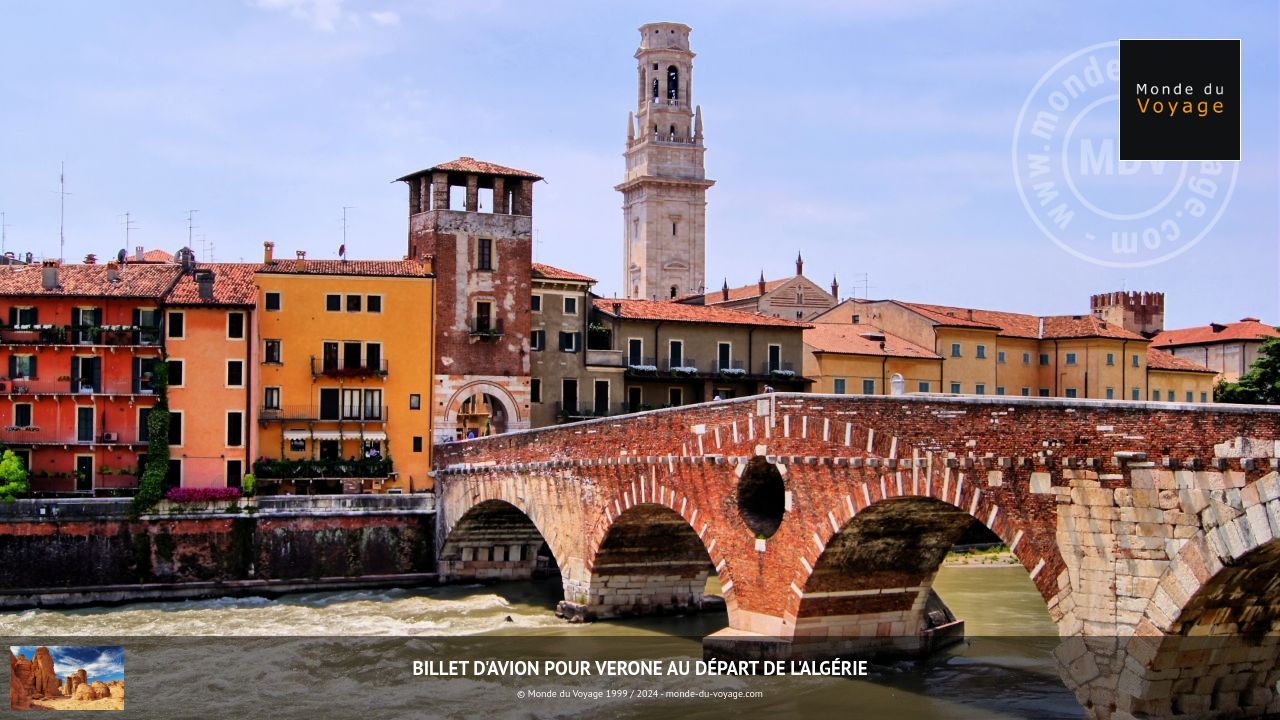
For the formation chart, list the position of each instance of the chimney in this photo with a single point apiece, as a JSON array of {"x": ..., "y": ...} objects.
[
  {"x": 799, "y": 264},
  {"x": 137, "y": 253},
  {"x": 204, "y": 283},
  {"x": 113, "y": 271},
  {"x": 969, "y": 313},
  {"x": 617, "y": 309},
  {"x": 90, "y": 259},
  {"x": 268, "y": 250},
  {"x": 724, "y": 291},
  {"x": 761, "y": 284},
  {"x": 835, "y": 289},
  {"x": 300, "y": 263},
  {"x": 49, "y": 275}
]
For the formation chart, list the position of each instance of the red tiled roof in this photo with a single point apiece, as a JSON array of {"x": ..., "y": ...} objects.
[
  {"x": 471, "y": 165},
  {"x": 135, "y": 280},
  {"x": 1081, "y": 326},
  {"x": 233, "y": 284},
  {"x": 549, "y": 272},
  {"x": 678, "y": 312},
  {"x": 1246, "y": 329},
  {"x": 1161, "y": 360},
  {"x": 155, "y": 256},
  {"x": 1021, "y": 325},
  {"x": 744, "y": 292},
  {"x": 382, "y": 268},
  {"x": 862, "y": 340},
  {"x": 950, "y": 316}
]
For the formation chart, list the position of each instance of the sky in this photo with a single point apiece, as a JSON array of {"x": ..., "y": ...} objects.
[
  {"x": 873, "y": 137},
  {"x": 101, "y": 663}
]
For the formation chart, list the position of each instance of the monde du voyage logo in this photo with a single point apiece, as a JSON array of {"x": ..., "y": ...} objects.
[{"x": 1123, "y": 152}]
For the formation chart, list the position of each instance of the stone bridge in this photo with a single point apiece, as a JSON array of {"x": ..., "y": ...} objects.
[{"x": 1149, "y": 529}]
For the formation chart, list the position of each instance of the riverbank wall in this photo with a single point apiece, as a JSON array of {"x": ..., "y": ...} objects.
[{"x": 82, "y": 552}]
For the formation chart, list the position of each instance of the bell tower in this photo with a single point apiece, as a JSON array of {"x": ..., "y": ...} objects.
[{"x": 665, "y": 187}]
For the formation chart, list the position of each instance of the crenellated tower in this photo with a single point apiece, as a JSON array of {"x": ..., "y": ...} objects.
[{"x": 665, "y": 186}]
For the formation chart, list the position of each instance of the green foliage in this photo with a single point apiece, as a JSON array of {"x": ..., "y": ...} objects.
[
  {"x": 13, "y": 477},
  {"x": 247, "y": 484},
  {"x": 151, "y": 484},
  {"x": 1259, "y": 386}
]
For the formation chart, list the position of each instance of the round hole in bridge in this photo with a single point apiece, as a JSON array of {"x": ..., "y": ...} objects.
[{"x": 761, "y": 497}]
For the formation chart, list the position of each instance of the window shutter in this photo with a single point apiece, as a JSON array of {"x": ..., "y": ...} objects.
[
  {"x": 35, "y": 316},
  {"x": 75, "y": 317},
  {"x": 13, "y": 316},
  {"x": 13, "y": 366},
  {"x": 577, "y": 341},
  {"x": 564, "y": 341},
  {"x": 33, "y": 367}
]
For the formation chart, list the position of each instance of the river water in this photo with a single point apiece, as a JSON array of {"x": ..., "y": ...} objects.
[{"x": 1003, "y": 671}]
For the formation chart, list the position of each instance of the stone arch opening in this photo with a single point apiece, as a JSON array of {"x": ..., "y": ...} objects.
[
  {"x": 762, "y": 497},
  {"x": 673, "y": 82},
  {"x": 479, "y": 410},
  {"x": 649, "y": 562},
  {"x": 872, "y": 587},
  {"x": 495, "y": 540}
]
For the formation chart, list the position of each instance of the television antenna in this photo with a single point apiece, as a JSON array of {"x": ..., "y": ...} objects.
[
  {"x": 862, "y": 280},
  {"x": 4, "y": 226},
  {"x": 191, "y": 224},
  {"x": 62, "y": 210},
  {"x": 129, "y": 226}
]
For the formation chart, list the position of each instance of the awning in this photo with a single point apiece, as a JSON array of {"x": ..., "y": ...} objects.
[{"x": 333, "y": 435}]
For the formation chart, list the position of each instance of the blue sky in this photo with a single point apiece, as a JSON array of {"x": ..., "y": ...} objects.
[
  {"x": 100, "y": 662},
  {"x": 874, "y": 137}
]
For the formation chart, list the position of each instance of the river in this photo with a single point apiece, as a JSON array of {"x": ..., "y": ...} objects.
[{"x": 1003, "y": 671}]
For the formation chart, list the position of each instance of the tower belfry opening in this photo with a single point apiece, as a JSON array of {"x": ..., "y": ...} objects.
[{"x": 665, "y": 178}]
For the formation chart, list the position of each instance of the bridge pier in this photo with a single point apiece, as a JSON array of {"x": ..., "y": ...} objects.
[{"x": 495, "y": 541}]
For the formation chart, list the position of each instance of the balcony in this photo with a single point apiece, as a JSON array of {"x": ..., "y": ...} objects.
[
  {"x": 265, "y": 469},
  {"x": 485, "y": 329},
  {"x": 64, "y": 385},
  {"x": 605, "y": 358},
  {"x": 35, "y": 435},
  {"x": 97, "y": 336},
  {"x": 312, "y": 413},
  {"x": 332, "y": 368}
]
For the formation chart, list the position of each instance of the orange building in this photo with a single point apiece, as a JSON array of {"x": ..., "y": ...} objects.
[
  {"x": 211, "y": 341},
  {"x": 344, "y": 381}
]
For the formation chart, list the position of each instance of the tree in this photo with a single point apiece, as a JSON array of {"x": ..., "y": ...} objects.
[
  {"x": 13, "y": 477},
  {"x": 156, "y": 467},
  {"x": 1259, "y": 386}
]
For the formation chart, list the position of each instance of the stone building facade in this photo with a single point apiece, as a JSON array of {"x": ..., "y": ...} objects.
[
  {"x": 1229, "y": 349},
  {"x": 664, "y": 189},
  {"x": 793, "y": 298}
]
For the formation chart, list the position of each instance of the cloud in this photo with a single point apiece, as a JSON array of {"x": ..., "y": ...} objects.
[
  {"x": 319, "y": 14},
  {"x": 385, "y": 17}
]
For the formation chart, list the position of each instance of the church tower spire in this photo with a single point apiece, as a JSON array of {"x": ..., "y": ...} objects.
[{"x": 664, "y": 188}]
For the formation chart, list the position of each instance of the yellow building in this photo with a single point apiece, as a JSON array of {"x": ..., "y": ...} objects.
[
  {"x": 345, "y": 368},
  {"x": 987, "y": 352},
  {"x": 858, "y": 359}
]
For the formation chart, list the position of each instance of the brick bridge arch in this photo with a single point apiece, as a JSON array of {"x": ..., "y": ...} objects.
[{"x": 1102, "y": 502}]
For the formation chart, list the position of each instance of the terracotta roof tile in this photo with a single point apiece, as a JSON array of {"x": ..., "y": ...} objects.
[
  {"x": 678, "y": 312},
  {"x": 744, "y": 292},
  {"x": 383, "y": 268},
  {"x": 471, "y": 165},
  {"x": 1246, "y": 329},
  {"x": 233, "y": 284},
  {"x": 1161, "y": 360},
  {"x": 1022, "y": 325},
  {"x": 156, "y": 256},
  {"x": 549, "y": 272},
  {"x": 135, "y": 280},
  {"x": 1081, "y": 326},
  {"x": 847, "y": 339}
]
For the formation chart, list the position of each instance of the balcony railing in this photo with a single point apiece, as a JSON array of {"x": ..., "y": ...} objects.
[
  {"x": 781, "y": 368},
  {"x": 486, "y": 329},
  {"x": 312, "y": 413},
  {"x": 109, "y": 335},
  {"x": 334, "y": 369},
  {"x": 36, "y": 435},
  {"x": 266, "y": 469},
  {"x": 67, "y": 386}
]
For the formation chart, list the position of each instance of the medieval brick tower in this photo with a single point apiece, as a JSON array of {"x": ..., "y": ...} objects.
[
  {"x": 1140, "y": 312},
  {"x": 664, "y": 190},
  {"x": 475, "y": 219}
]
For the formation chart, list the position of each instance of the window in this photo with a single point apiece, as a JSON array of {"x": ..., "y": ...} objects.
[
  {"x": 675, "y": 396},
  {"x": 484, "y": 254},
  {"x": 1155, "y": 395},
  {"x": 724, "y": 356},
  {"x": 22, "y": 366},
  {"x": 235, "y": 373},
  {"x": 417, "y": 443},
  {"x": 235, "y": 429},
  {"x": 955, "y": 349},
  {"x": 999, "y": 389},
  {"x": 415, "y": 402},
  {"x": 635, "y": 398},
  {"x": 22, "y": 415},
  {"x": 1026, "y": 358},
  {"x": 484, "y": 314},
  {"x": 982, "y": 352},
  {"x": 535, "y": 390},
  {"x": 924, "y": 386},
  {"x": 271, "y": 351},
  {"x": 868, "y": 387},
  {"x": 373, "y": 405},
  {"x": 333, "y": 303},
  {"x": 857, "y": 319},
  {"x": 23, "y": 316},
  {"x": 775, "y": 357},
  {"x": 1026, "y": 392},
  {"x": 271, "y": 398},
  {"x": 1136, "y": 361},
  {"x": 271, "y": 301},
  {"x": 675, "y": 353},
  {"x": 235, "y": 472},
  {"x": 1111, "y": 359},
  {"x": 1044, "y": 359},
  {"x": 177, "y": 328},
  {"x": 569, "y": 396},
  {"x": 1189, "y": 396},
  {"x": 980, "y": 389},
  {"x": 354, "y": 302},
  {"x": 350, "y": 404},
  {"x": 1137, "y": 394},
  {"x": 1044, "y": 392},
  {"x": 297, "y": 445},
  {"x": 955, "y": 388},
  {"x": 538, "y": 340},
  {"x": 1111, "y": 393},
  {"x": 1071, "y": 358},
  {"x": 144, "y": 425},
  {"x": 635, "y": 351},
  {"x": 373, "y": 304},
  {"x": 570, "y": 341},
  {"x": 330, "y": 403},
  {"x": 839, "y": 386},
  {"x": 571, "y": 306},
  {"x": 373, "y": 357},
  {"x": 235, "y": 326},
  {"x": 1000, "y": 356},
  {"x": 535, "y": 303},
  {"x": 600, "y": 404},
  {"x": 175, "y": 427},
  {"x": 1172, "y": 397},
  {"x": 176, "y": 368},
  {"x": 1204, "y": 397},
  {"x": 1071, "y": 392}
]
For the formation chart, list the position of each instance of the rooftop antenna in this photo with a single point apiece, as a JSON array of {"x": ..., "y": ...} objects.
[
  {"x": 862, "y": 280},
  {"x": 342, "y": 249},
  {"x": 129, "y": 226},
  {"x": 4, "y": 226},
  {"x": 191, "y": 224},
  {"x": 62, "y": 209},
  {"x": 206, "y": 246}
]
